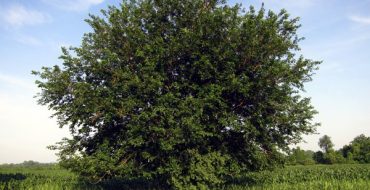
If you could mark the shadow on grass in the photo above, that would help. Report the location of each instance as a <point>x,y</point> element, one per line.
<point>118,184</point>
<point>243,181</point>
<point>8,177</point>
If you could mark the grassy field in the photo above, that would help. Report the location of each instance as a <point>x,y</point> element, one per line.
<point>354,176</point>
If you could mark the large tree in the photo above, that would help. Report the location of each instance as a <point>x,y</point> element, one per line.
<point>358,150</point>
<point>183,92</point>
<point>326,144</point>
<point>299,156</point>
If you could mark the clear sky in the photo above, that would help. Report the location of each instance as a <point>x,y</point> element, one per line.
<point>32,32</point>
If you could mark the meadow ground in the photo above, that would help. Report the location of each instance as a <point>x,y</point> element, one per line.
<point>351,176</point>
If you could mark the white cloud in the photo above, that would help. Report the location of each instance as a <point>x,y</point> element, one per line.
<point>329,48</point>
<point>18,16</point>
<point>26,129</point>
<point>360,19</point>
<point>28,40</point>
<point>73,5</point>
<point>16,82</point>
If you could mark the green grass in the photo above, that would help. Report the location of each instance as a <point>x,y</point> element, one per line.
<point>53,177</point>
<point>41,177</point>
<point>345,176</point>
<point>310,185</point>
<point>352,176</point>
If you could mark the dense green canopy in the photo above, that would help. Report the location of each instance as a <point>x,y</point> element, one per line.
<point>358,150</point>
<point>183,92</point>
<point>325,143</point>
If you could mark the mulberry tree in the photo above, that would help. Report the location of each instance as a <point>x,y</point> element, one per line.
<point>186,93</point>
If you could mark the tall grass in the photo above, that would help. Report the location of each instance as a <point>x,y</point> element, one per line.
<point>52,177</point>
<point>345,176</point>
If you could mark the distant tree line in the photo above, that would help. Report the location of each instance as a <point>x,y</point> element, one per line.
<point>28,163</point>
<point>358,151</point>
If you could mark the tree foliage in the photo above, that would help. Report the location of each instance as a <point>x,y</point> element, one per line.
<point>358,150</point>
<point>326,144</point>
<point>329,155</point>
<point>182,92</point>
<point>302,157</point>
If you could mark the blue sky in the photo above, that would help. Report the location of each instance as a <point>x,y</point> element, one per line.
<point>32,32</point>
